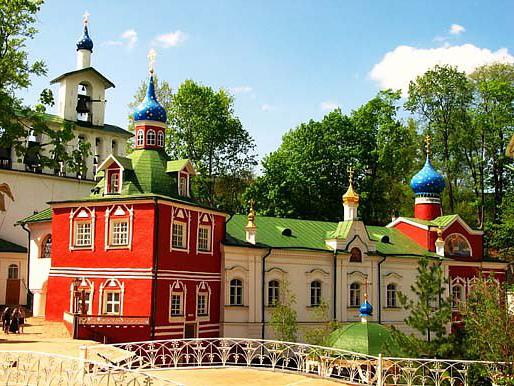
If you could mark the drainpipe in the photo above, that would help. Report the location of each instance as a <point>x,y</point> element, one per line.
<point>335,286</point>
<point>263,291</point>
<point>29,294</point>
<point>154,268</point>
<point>379,286</point>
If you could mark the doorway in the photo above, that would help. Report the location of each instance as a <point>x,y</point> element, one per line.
<point>12,290</point>
<point>189,330</point>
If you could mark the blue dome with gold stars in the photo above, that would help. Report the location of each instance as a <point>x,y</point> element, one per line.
<point>85,42</point>
<point>150,109</point>
<point>427,180</point>
<point>366,309</point>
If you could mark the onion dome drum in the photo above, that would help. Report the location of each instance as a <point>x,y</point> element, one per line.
<point>150,109</point>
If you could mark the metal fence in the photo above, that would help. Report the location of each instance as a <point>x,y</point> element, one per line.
<point>346,366</point>
<point>33,368</point>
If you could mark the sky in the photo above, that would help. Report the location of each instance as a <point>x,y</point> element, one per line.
<point>285,62</point>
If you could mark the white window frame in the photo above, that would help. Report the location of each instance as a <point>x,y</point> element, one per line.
<point>82,244</point>
<point>111,285</point>
<point>78,215</point>
<point>90,290</point>
<point>273,295</point>
<point>238,292</point>
<point>113,303</point>
<point>457,302</point>
<point>207,228</point>
<point>13,267</point>
<point>112,232</point>
<point>183,190</point>
<point>354,301</point>
<point>140,141</point>
<point>183,225</point>
<point>116,214</point>
<point>44,249</point>
<point>202,294</point>
<point>150,140</point>
<point>392,295</point>
<point>315,293</point>
<point>114,186</point>
<point>160,139</point>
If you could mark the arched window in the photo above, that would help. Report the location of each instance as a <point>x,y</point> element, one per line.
<point>457,295</point>
<point>160,139</point>
<point>356,255</point>
<point>13,272</point>
<point>273,293</point>
<point>391,296</point>
<point>315,293</point>
<point>457,245</point>
<point>236,292</point>
<point>355,295</point>
<point>150,138</point>
<point>112,297</point>
<point>46,247</point>
<point>140,138</point>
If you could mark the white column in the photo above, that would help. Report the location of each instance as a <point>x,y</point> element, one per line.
<point>83,59</point>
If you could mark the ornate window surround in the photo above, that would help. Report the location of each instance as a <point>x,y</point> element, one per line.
<point>82,213</point>
<point>205,220</point>
<point>177,288</point>
<point>91,286</point>
<point>111,285</point>
<point>203,288</point>
<point>112,214</point>
<point>184,216</point>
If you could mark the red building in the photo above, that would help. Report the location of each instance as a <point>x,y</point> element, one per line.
<point>138,259</point>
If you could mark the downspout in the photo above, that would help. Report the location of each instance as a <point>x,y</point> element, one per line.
<point>335,286</point>
<point>379,286</point>
<point>263,291</point>
<point>29,294</point>
<point>154,268</point>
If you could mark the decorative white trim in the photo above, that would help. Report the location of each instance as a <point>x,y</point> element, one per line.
<point>91,295</point>
<point>407,221</point>
<point>80,213</point>
<point>210,228</point>
<point>118,211</point>
<point>427,200</point>
<point>177,288</point>
<point>203,288</point>
<point>182,216</point>
<point>144,123</point>
<point>118,287</point>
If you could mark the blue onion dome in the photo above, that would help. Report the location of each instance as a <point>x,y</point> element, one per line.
<point>366,309</point>
<point>427,180</point>
<point>85,42</point>
<point>150,109</point>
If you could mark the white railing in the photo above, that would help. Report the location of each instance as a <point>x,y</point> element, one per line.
<point>324,362</point>
<point>33,368</point>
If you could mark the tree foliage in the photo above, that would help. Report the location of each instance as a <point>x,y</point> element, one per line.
<point>429,311</point>
<point>202,126</point>
<point>18,122</point>
<point>307,176</point>
<point>283,316</point>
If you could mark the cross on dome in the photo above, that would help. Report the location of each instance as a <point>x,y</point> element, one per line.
<point>428,142</point>
<point>152,55</point>
<point>85,17</point>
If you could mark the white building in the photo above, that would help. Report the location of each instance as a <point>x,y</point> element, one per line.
<point>81,102</point>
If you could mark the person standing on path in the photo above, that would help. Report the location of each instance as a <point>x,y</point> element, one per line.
<point>6,319</point>
<point>21,318</point>
<point>13,327</point>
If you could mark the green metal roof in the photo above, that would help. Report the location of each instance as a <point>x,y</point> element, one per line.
<point>42,216</point>
<point>124,161</point>
<point>106,81</point>
<point>307,234</point>
<point>365,338</point>
<point>7,246</point>
<point>176,165</point>
<point>441,221</point>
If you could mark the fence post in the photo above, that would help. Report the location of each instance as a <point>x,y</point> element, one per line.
<point>379,370</point>
<point>83,360</point>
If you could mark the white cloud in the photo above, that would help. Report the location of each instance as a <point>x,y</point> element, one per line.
<point>403,64</point>
<point>129,39</point>
<point>240,89</point>
<point>456,29</point>
<point>266,107</point>
<point>171,39</point>
<point>328,105</point>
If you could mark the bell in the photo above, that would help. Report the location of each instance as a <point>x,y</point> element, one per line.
<point>82,104</point>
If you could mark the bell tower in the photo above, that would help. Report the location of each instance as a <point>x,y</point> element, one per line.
<point>81,96</point>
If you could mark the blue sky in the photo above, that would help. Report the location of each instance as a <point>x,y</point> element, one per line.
<point>285,61</point>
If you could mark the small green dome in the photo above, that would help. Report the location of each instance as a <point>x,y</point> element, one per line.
<point>365,338</point>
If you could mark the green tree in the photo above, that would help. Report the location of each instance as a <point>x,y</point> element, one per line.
<point>493,126</point>
<point>17,122</point>
<point>283,317</point>
<point>441,98</point>
<point>202,126</point>
<point>325,325</point>
<point>488,323</point>
<point>501,234</point>
<point>307,176</point>
<point>429,310</point>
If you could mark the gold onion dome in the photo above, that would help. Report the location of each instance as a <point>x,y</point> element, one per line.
<point>251,215</point>
<point>351,195</point>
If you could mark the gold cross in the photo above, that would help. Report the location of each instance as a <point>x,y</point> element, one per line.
<point>428,141</point>
<point>85,17</point>
<point>152,54</point>
<point>251,202</point>
<point>350,173</point>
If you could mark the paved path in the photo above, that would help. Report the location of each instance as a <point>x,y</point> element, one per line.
<point>238,377</point>
<point>52,337</point>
